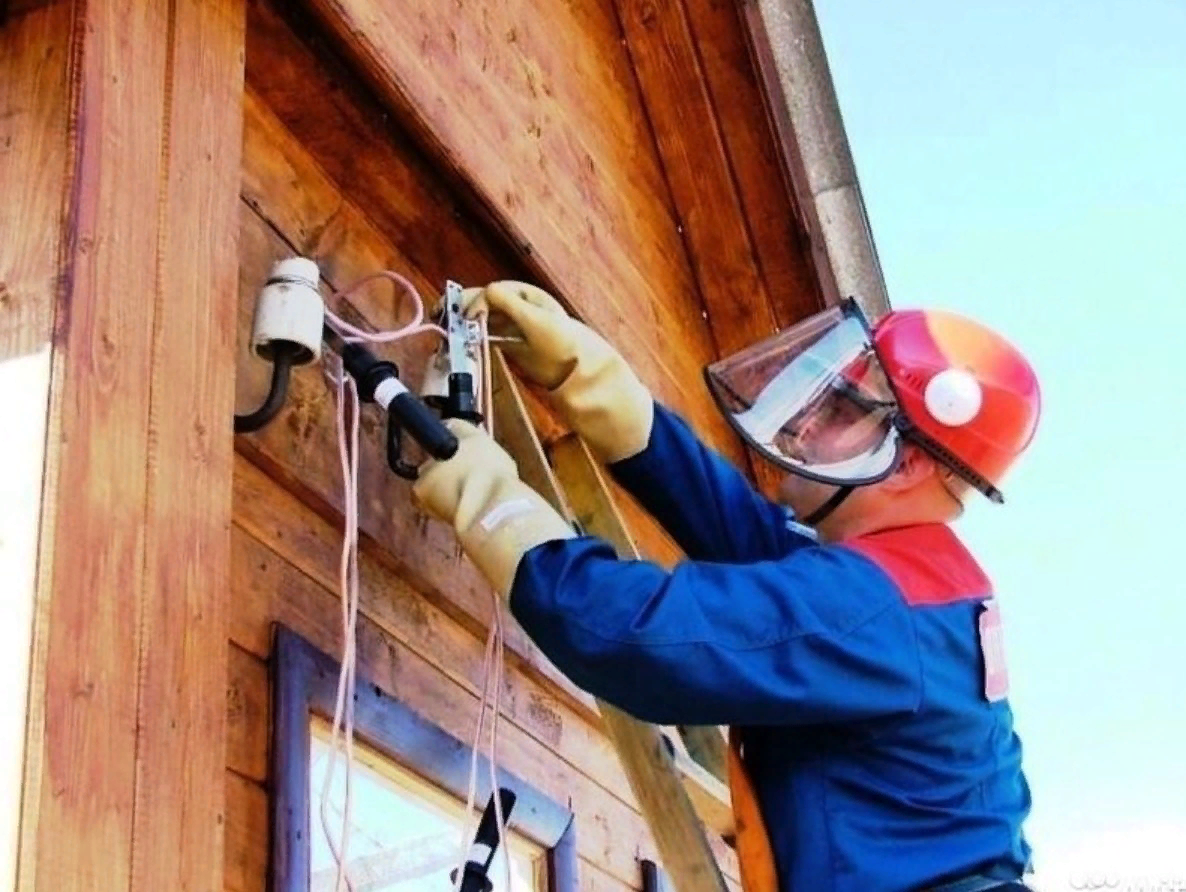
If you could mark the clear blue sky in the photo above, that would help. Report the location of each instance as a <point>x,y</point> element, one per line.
<point>1025,163</point>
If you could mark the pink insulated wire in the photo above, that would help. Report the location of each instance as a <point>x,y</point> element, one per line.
<point>342,732</point>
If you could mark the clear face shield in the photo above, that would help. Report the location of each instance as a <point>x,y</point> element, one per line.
<point>814,399</point>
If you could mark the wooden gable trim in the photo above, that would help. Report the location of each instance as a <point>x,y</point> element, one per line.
<point>788,50</point>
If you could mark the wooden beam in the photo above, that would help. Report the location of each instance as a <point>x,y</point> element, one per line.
<point>177,833</point>
<point>34,149</point>
<point>126,718</point>
<point>80,784</point>
<point>704,180</point>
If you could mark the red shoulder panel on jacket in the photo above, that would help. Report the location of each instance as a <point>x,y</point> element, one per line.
<point>928,563</point>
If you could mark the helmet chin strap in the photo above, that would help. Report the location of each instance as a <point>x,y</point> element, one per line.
<point>829,506</point>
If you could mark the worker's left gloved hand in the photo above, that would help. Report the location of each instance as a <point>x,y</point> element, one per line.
<point>498,517</point>
<point>591,384</point>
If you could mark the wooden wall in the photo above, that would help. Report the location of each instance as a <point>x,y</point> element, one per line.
<point>614,151</point>
<point>328,174</point>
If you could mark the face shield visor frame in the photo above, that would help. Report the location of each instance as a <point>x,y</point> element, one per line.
<point>815,400</point>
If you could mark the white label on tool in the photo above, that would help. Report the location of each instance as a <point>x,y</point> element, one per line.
<point>504,512</point>
<point>480,853</point>
<point>388,389</point>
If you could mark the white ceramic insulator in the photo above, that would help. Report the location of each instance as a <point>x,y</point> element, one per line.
<point>290,308</point>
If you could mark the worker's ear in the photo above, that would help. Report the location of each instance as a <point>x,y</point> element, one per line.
<point>914,469</point>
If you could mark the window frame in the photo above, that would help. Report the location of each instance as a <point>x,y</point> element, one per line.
<point>304,684</point>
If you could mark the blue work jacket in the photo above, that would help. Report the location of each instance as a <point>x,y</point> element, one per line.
<point>865,675</point>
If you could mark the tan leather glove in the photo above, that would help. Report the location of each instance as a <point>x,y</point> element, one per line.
<point>591,384</point>
<point>498,517</point>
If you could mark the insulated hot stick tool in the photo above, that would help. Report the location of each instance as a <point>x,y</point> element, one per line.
<point>475,876</point>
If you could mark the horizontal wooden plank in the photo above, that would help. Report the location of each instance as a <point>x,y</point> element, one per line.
<point>248,707</point>
<point>366,154</point>
<point>247,835</point>
<point>546,125</point>
<point>268,589</point>
<point>313,546</point>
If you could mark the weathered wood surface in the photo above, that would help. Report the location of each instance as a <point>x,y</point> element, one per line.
<point>268,589</point>
<point>750,257</point>
<point>689,141</point>
<point>126,720</point>
<point>535,105</point>
<point>34,147</point>
<point>177,833</point>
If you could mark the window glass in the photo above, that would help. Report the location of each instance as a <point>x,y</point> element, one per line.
<point>405,833</point>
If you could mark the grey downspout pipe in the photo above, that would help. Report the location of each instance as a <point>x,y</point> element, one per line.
<point>788,50</point>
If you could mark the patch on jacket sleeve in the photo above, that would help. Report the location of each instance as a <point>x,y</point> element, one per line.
<point>992,651</point>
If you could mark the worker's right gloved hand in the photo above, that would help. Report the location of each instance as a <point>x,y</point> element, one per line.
<point>498,517</point>
<point>590,383</point>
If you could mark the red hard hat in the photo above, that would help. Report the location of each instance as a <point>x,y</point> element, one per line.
<point>963,387</point>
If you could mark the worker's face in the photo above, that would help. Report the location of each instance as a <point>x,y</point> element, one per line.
<point>836,430</point>
<point>916,480</point>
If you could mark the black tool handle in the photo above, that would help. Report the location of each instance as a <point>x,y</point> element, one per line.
<point>423,426</point>
<point>475,875</point>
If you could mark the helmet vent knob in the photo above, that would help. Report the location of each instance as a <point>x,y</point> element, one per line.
<point>953,397</point>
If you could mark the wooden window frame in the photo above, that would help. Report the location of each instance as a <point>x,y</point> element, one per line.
<point>305,684</point>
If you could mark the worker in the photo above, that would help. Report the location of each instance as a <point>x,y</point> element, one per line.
<point>843,632</point>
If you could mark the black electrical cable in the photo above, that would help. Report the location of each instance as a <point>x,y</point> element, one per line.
<point>283,354</point>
